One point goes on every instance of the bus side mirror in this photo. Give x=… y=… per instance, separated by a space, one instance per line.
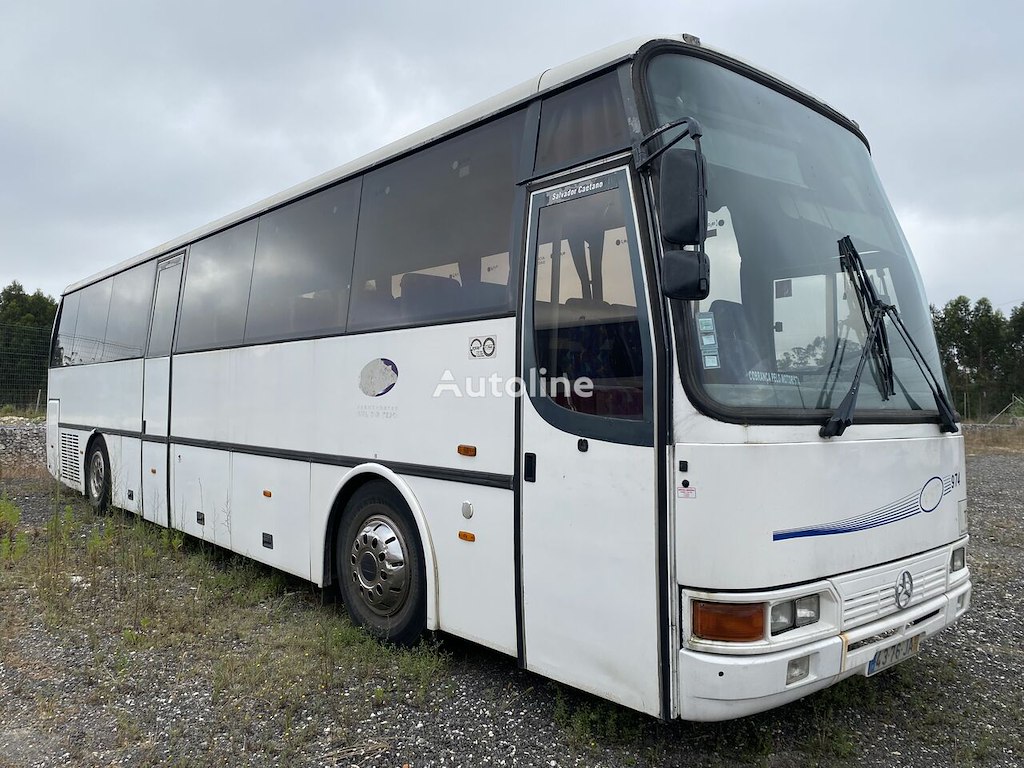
x=683 y=198
x=685 y=275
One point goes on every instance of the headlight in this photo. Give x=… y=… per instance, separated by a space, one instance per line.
x=808 y=610
x=958 y=559
x=783 y=616
x=795 y=613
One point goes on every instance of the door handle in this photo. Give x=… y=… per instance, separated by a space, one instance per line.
x=530 y=468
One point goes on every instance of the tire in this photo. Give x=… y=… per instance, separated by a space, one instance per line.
x=379 y=565
x=97 y=475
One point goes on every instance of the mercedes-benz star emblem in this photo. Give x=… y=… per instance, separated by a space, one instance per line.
x=904 y=589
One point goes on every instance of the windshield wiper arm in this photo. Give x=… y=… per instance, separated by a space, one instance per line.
x=947 y=416
x=874 y=310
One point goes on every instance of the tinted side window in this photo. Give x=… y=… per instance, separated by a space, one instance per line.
x=581 y=123
x=91 y=328
x=435 y=231
x=64 y=341
x=300 y=280
x=217 y=289
x=130 y=302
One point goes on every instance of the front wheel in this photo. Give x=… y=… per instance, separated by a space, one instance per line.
x=97 y=475
x=380 y=568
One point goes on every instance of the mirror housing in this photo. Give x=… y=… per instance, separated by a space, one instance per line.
x=686 y=275
x=683 y=210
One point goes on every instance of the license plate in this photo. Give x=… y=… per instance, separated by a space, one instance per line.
x=894 y=654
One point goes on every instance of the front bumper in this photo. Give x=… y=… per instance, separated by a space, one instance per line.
x=722 y=687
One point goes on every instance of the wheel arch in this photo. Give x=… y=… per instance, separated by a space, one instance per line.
x=94 y=437
x=350 y=483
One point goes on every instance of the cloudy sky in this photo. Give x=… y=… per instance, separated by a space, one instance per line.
x=125 y=124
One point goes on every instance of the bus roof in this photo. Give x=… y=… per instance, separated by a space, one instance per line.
x=525 y=91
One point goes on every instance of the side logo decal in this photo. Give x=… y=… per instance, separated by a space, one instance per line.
x=378 y=377
x=925 y=500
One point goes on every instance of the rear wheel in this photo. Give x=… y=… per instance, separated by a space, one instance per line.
x=97 y=475
x=380 y=568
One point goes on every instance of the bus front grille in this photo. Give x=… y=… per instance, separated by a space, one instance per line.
x=871 y=594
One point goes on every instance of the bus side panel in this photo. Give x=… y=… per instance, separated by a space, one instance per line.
x=415 y=395
x=125 y=455
x=101 y=395
x=201 y=483
x=207 y=402
x=270 y=511
x=318 y=396
x=475 y=559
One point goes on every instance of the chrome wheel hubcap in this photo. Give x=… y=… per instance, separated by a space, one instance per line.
x=377 y=565
x=97 y=475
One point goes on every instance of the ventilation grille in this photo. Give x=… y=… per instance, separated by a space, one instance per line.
x=70 y=467
x=870 y=594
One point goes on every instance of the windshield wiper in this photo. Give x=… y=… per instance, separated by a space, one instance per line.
x=874 y=311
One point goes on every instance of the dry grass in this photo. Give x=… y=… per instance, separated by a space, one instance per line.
x=983 y=439
x=260 y=658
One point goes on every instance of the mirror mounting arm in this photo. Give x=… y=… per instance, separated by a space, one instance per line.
x=643 y=158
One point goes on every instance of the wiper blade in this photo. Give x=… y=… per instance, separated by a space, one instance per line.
x=870 y=304
x=874 y=311
x=842 y=417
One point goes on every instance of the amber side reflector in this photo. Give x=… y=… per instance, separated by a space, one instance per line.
x=268 y=494
x=467 y=536
x=731 y=622
x=152 y=471
x=467 y=450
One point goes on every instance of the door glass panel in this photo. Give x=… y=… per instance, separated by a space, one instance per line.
x=587 y=332
x=164 y=309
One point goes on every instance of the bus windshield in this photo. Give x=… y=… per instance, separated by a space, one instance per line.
x=781 y=328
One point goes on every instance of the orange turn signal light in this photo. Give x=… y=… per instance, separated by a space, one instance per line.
x=467 y=536
x=731 y=622
x=268 y=494
x=467 y=450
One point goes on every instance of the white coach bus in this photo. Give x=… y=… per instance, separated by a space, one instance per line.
x=754 y=486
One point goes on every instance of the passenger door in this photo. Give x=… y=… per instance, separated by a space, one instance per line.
x=589 y=544
x=156 y=392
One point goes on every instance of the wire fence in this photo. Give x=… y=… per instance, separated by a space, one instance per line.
x=24 y=354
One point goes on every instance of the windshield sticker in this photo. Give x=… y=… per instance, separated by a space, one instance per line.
x=771 y=377
x=708 y=340
x=922 y=501
x=581 y=189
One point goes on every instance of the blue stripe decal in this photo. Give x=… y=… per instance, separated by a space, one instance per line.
x=925 y=500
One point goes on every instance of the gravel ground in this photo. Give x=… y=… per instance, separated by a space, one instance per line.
x=83 y=697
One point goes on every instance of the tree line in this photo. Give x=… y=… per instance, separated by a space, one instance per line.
x=982 y=353
x=25 y=323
